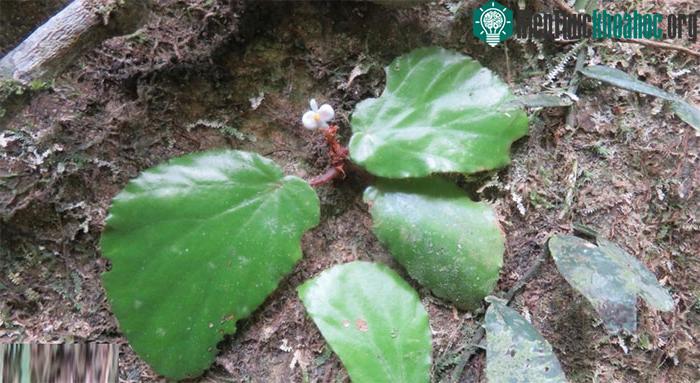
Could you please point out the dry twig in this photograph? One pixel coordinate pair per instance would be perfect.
(656, 44)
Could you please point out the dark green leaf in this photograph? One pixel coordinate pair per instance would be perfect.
(197, 244)
(440, 112)
(622, 80)
(447, 242)
(609, 278)
(687, 112)
(515, 351)
(373, 320)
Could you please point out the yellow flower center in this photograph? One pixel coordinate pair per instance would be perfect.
(317, 117)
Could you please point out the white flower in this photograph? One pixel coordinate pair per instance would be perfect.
(317, 117)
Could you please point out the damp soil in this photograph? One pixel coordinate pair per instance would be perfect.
(220, 74)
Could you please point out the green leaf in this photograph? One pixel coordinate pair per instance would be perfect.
(542, 100)
(447, 242)
(687, 112)
(684, 110)
(515, 351)
(26, 366)
(197, 244)
(622, 80)
(373, 320)
(440, 112)
(609, 278)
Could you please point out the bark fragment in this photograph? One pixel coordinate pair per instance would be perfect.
(78, 27)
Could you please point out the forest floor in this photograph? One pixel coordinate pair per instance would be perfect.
(209, 74)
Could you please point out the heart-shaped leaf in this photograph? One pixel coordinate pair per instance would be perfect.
(609, 278)
(440, 112)
(515, 351)
(197, 244)
(447, 242)
(373, 320)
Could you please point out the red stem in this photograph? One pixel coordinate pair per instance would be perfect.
(338, 155)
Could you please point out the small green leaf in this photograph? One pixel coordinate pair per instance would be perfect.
(373, 320)
(609, 278)
(197, 244)
(684, 110)
(542, 100)
(447, 242)
(440, 112)
(515, 351)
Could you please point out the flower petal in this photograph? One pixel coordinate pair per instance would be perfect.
(326, 112)
(313, 105)
(308, 120)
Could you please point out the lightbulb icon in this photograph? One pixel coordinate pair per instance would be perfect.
(493, 20)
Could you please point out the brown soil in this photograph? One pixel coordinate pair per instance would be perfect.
(184, 82)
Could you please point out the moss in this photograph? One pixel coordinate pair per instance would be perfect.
(9, 89)
(37, 85)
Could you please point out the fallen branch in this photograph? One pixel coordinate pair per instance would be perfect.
(64, 37)
(656, 44)
(659, 44)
